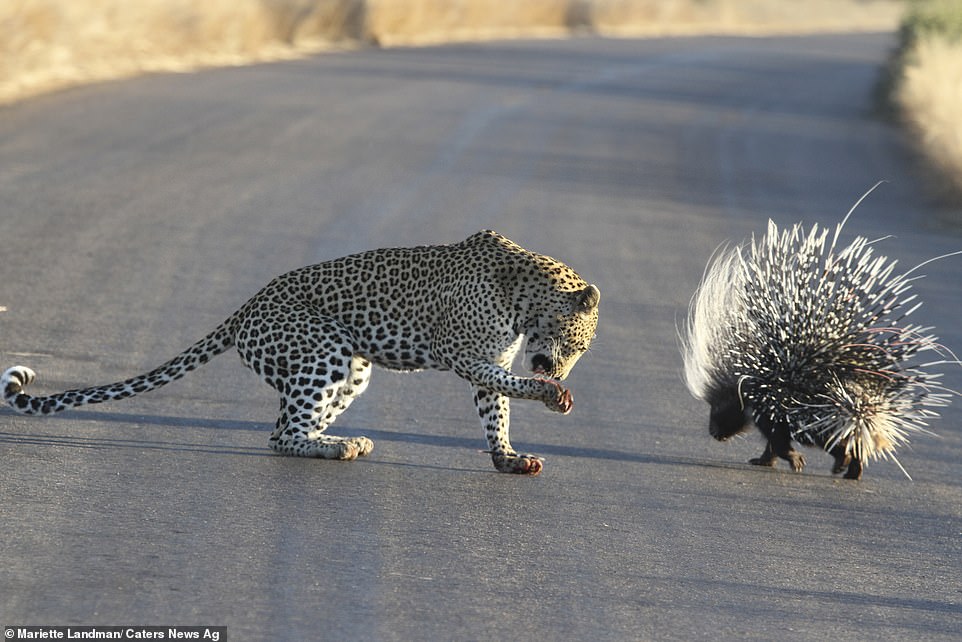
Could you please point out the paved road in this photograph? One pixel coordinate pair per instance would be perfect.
(136, 215)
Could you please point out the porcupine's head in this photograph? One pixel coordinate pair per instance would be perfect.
(729, 415)
(713, 331)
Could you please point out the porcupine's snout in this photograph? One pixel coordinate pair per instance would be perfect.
(728, 417)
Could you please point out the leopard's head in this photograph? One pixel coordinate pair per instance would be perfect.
(558, 336)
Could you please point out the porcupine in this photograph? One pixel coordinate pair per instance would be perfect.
(808, 342)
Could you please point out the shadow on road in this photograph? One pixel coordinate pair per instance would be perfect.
(425, 439)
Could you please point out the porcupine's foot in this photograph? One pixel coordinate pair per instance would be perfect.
(841, 461)
(767, 458)
(851, 465)
(781, 444)
(789, 454)
(854, 470)
(795, 460)
(517, 463)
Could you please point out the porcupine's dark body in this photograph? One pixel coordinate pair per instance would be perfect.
(808, 342)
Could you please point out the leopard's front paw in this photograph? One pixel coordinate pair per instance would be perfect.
(558, 398)
(517, 463)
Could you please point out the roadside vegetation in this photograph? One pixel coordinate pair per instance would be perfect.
(50, 44)
(46, 45)
(927, 86)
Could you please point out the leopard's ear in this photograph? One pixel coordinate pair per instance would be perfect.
(587, 300)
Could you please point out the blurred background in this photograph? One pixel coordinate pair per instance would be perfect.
(50, 44)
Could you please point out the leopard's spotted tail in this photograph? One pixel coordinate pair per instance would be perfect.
(13, 381)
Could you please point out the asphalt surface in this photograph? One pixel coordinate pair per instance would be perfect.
(137, 215)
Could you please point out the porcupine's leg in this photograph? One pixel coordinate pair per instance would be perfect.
(845, 461)
(768, 458)
(854, 469)
(842, 460)
(779, 445)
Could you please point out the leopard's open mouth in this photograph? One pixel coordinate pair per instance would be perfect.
(541, 372)
(541, 365)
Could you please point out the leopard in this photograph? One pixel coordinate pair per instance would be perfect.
(314, 334)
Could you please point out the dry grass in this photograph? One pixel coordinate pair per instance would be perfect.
(930, 94)
(47, 44)
(928, 86)
(746, 17)
(403, 22)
